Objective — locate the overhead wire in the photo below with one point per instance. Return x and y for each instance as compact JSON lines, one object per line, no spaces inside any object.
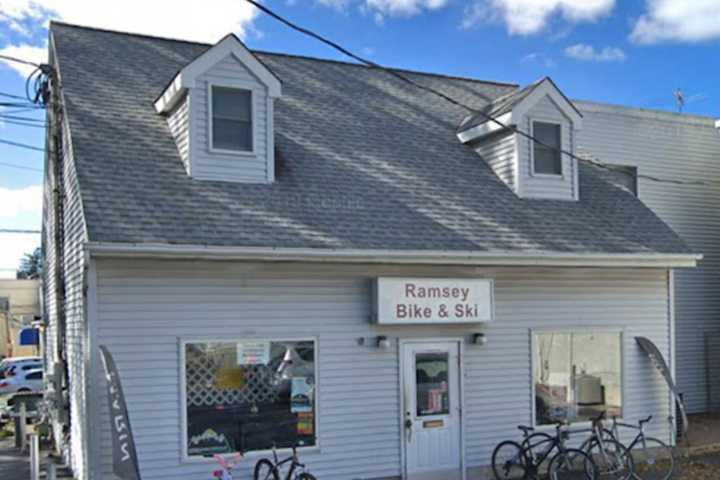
{"x":488,"y":117}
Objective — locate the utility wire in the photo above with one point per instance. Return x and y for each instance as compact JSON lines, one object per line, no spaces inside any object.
{"x":449,"y":99}
{"x":19,"y":60}
{"x":10,"y":95}
{"x":21,"y":119}
{"x":22,"y":145}
{"x":21,"y":167}
{"x":22,"y":124}
{"x":17,"y":230}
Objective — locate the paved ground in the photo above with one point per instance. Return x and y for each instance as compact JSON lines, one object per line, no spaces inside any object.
{"x":13,"y":465}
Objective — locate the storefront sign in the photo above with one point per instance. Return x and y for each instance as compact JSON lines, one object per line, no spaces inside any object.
{"x":424,"y":300}
{"x":253,"y":353}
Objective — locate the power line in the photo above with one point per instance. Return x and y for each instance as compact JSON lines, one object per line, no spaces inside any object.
{"x":19,"y":60}
{"x":22,"y":124}
{"x":21,"y":167}
{"x":21,"y":119}
{"x":10,"y":95}
{"x":22,"y":145}
{"x":486,"y":116}
{"x":18,"y":230}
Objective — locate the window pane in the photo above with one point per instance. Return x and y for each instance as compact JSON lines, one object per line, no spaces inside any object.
{"x":547,"y":157}
{"x":249,"y":395}
{"x":232,"y":119}
{"x":431,"y":374}
{"x":577,"y":376}
{"x":232,"y":135}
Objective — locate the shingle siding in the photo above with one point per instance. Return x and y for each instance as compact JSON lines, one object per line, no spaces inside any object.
{"x":146,"y":307}
{"x":179,"y":123}
{"x":500,"y":152}
{"x":675,"y":147}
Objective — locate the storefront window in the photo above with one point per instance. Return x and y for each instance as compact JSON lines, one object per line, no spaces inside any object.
{"x":249,"y":395}
{"x":577,"y":376}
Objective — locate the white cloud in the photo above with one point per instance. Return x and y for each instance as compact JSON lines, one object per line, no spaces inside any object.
{"x":678,"y":21}
{"x":14,"y":247}
{"x":206,"y":21}
{"x":25,"y":52}
{"x":405,"y":8}
{"x":526,"y":17}
{"x":21,"y":201}
{"x":582,"y":51}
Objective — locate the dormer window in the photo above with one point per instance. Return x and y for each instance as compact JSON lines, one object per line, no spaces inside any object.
{"x":547,"y":158}
{"x":231,"y":119}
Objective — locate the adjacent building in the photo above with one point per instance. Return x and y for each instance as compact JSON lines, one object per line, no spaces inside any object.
{"x":292,"y":251}
{"x":19,"y":308}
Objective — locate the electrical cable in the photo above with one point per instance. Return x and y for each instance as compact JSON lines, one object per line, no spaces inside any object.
{"x":22,"y":145}
{"x":19,"y":60}
{"x":21,"y":167}
{"x":513,"y":128}
{"x":21,"y":119}
{"x":18,"y":230}
{"x":22,"y":124}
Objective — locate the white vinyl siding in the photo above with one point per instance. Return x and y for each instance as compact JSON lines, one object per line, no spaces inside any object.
{"x":74,"y":277}
{"x":499,"y":152}
{"x":178,"y":123}
{"x":677,"y":147}
{"x":209,"y":164}
{"x":145,"y":307}
{"x":540,"y":186}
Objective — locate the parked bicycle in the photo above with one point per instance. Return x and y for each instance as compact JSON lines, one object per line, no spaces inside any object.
{"x":515,"y":461}
{"x":266,"y":469}
{"x":652,"y":458}
{"x":227,"y":465}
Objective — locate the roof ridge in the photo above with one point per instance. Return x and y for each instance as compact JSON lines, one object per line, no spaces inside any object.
{"x":283,"y":54}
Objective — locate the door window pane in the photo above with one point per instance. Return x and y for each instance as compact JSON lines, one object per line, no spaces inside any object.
{"x":249,"y":395}
{"x":577,"y":376}
{"x":431,"y":376}
{"x":232,"y":119}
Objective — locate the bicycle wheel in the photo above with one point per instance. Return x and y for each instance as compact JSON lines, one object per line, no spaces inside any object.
{"x":305,"y":476}
{"x":536,"y":445}
{"x":508,"y":461}
{"x":572,"y":464}
{"x":613,"y":460}
{"x":265,"y":470}
{"x":653,"y":460}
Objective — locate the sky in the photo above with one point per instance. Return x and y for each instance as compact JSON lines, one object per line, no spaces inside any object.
{"x":634,"y":52}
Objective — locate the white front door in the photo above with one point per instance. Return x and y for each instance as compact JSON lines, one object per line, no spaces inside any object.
{"x":431,"y":420}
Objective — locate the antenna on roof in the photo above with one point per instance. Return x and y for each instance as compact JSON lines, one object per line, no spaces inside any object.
{"x":680,"y":98}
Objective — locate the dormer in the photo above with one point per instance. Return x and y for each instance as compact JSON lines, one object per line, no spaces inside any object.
{"x":219,"y":109}
{"x":531,"y":169}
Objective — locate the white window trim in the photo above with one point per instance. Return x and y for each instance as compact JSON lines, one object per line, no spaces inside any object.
{"x":583,"y":329}
{"x":253,"y":119}
{"x":563,"y":132}
{"x":182,"y":342}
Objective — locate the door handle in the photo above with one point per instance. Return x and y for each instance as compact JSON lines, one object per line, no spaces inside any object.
{"x":408,"y":429}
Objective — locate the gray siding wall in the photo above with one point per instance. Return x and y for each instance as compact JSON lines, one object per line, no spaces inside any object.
{"x":499,"y":152}
{"x":682,"y":147}
{"x":144,"y":308}
{"x":547,"y":186}
{"x":233,"y":167}
{"x":178,"y":121}
{"x":76,"y":333}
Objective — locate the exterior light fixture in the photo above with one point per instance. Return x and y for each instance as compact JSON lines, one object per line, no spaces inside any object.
{"x":382,"y":342}
{"x":479,"y":339}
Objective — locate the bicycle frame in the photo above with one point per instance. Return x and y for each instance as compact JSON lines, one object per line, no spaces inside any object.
{"x":293,"y":459}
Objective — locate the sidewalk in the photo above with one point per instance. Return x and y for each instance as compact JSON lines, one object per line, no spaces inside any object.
{"x":13,"y":465}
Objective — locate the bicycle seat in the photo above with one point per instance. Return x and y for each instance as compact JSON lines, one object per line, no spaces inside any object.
{"x":646,"y":420}
{"x":525,"y":430}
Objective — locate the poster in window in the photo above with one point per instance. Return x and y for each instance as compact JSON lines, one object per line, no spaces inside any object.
{"x":253,"y":353}
{"x":301,"y":395}
{"x":305,"y":423}
{"x":230,"y":378}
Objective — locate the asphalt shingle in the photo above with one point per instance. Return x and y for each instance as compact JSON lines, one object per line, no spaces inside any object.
{"x":363,"y":161}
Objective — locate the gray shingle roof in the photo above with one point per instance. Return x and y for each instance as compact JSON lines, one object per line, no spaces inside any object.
{"x":363,"y":161}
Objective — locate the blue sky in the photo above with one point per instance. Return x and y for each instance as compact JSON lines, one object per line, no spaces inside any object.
{"x":632,"y":52}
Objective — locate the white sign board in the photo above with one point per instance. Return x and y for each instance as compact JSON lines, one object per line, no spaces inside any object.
{"x":409,"y":301}
{"x":253,"y":353}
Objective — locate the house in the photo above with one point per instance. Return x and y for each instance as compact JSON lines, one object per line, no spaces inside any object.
{"x":285,"y":250}
{"x":19,"y":306}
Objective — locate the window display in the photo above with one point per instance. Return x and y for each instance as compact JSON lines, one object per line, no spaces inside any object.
{"x":249,"y":395}
{"x":577,"y":376}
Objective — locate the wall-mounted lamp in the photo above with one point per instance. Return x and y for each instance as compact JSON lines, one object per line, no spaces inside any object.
{"x":382,"y":342}
{"x":479,"y":339}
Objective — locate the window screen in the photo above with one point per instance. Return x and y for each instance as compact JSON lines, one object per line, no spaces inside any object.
{"x":577,"y":376}
{"x":249,"y":395}
{"x":231,"y":119}
{"x":546,"y":156}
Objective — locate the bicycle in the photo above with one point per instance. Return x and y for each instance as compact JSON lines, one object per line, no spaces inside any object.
{"x":512,"y":461}
{"x":653,"y":458}
{"x":227,"y":466}
{"x":265,"y":469}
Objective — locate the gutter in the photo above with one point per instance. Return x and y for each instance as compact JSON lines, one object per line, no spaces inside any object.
{"x":397,"y":257}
